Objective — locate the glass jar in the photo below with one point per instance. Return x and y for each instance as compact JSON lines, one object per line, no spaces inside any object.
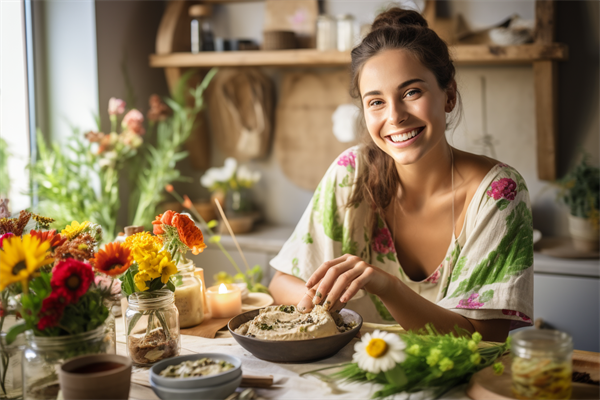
{"x":541,"y":364}
{"x":152,"y":327}
{"x":189,"y":297}
{"x":202,"y":38}
{"x":43,"y":356}
{"x":11,"y":373}
{"x":345,"y":32}
{"x":326,"y":33}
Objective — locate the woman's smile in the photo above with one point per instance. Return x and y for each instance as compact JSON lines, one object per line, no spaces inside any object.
{"x":404,"y":138}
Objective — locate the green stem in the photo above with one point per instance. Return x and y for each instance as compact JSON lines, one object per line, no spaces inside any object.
{"x":325,"y":368}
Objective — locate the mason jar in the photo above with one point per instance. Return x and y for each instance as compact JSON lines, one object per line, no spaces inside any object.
{"x":542,"y":364}
{"x":189,"y":295}
{"x":43,"y":356}
{"x":152,"y":327}
{"x":11,"y":372}
{"x":345,"y":32}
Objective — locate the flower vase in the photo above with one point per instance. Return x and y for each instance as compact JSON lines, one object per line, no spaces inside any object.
{"x":43,"y":356}
{"x":584,"y":235}
{"x":11,"y":372}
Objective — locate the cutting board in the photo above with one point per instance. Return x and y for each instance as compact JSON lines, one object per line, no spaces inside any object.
{"x":485,"y":385}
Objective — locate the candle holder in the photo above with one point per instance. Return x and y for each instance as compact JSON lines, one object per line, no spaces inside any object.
{"x":225,"y":300}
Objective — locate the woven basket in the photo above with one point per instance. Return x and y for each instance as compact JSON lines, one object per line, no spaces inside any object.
{"x":279,"y":40}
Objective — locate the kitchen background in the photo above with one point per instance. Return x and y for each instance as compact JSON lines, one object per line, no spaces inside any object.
{"x":89,"y":51}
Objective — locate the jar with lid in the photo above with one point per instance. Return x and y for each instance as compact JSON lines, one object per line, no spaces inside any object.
{"x":541,"y":364}
{"x":189,"y":297}
{"x":326,"y":33}
{"x":201,"y":28}
{"x":345,"y":32}
{"x":43,"y":356}
{"x":152,"y":327}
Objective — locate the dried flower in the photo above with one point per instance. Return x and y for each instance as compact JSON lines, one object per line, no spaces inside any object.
{"x":43,"y":222}
{"x":116,"y":106}
{"x":15,"y":225}
{"x":74,"y":249}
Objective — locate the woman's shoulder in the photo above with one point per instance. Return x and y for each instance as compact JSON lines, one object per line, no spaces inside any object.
{"x":479,"y":172}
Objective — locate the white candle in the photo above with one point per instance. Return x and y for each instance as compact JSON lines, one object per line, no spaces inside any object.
{"x":225,"y":300}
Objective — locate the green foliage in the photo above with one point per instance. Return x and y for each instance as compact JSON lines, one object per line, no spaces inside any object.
{"x":331,"y":225}
{"x":4,"y":179}
{"x":580,"y":191}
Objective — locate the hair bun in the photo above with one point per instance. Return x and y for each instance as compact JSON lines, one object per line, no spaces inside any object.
{"x":397,"y":17}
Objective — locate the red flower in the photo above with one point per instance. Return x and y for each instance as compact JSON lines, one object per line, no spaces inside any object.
{"x":71,"y":279}
{"x":5,"y":236}
{"x":161,"y":219}
{"x":52,"y":311}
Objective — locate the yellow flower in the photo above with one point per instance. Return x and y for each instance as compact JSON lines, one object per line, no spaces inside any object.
{"x":143,"y":241}
{"x":71,"y":231}
{"x":21,"y":258}
{"x":472,"y":346}
{"x":414,"y":350}
{"x":475,"y":358}
{"x":433,"y":357}
{"x":140,"y":280}
{"x":476,"y":337}
{"x":498,"y":368}
{"x":446,"y":364}
{"x":166,"y":267}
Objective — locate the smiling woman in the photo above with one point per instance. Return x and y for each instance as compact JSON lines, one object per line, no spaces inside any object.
{"x":432,"y":234}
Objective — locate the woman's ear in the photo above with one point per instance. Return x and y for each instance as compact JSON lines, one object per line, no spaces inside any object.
{"x":450,"y":97}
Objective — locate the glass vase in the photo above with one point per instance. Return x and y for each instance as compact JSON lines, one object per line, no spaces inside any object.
{"x":11,"y":372}
{"x":43,"y":356}
{"x":189,"y":295}
{"x":152,"y":327}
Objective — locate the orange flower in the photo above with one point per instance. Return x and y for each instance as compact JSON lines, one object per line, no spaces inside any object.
{"x":187,"y":203}
{"x":158,"y":230}
{"x":189,"y":233}
{"x":56,"y":239}
{"x":169,"y":188}
{"x":113,"y":260}
{"x":167,"y":217}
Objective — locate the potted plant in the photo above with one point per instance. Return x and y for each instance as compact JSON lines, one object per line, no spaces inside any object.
{"x":580,"y":191}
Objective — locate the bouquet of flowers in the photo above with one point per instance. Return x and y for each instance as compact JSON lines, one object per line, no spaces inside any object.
{"x":229,"y":177}
{"x":415,"y":361}
{"x":179,"y":234}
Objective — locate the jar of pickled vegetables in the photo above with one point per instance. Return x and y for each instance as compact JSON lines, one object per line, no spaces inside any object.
{"x":541,"y":364}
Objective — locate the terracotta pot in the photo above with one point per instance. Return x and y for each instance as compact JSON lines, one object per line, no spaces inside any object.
{"x":585,"y":237}
{"x":77,"y":382}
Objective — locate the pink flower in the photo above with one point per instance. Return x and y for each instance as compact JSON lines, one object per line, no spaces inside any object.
{"x":133,"y":121}
{"x":5,"y":236}
{"x":348,"y":158}
{"x":383,"y":243}
{"x":504,"y":188}
{"x":518,"y":314}
{"x":471,"y":302}
{"x":116,"y":106}
{"x":105,"y":282}
{"x":435,"y":277}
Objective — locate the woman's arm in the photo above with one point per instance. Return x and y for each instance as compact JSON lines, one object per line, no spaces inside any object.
{"x":287,"y":289}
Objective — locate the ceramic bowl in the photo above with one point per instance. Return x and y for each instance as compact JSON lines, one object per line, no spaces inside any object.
{"x":217,"y":392}
{"x":200,"y":381}
{"x":295,"y":351}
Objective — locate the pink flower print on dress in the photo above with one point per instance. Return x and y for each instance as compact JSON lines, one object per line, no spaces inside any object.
{"x":435,"y":277}
{"x":348,"y":160}
{"x":471,"y":302}
{"x":518,"y":314}
{"x":116,"y":106}
{"x":504,"y":188}
{"x":383,"y":243}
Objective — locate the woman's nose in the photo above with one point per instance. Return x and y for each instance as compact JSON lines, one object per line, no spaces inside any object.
{"x":396,"y":114}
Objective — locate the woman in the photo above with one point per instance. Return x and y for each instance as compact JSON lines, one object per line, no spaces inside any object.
{"x":429,"y":233}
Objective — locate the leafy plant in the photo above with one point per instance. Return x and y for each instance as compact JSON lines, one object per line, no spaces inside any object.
{"x":580,"y":191}
{"x":4,"y":181}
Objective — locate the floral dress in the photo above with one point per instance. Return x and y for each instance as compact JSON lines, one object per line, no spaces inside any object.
{"x":487,"y":272}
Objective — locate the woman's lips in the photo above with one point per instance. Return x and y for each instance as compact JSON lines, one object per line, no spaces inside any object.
{"x":404,"y":143}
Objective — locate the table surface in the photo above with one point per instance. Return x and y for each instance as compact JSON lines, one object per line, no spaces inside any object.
{"x":287,"y":382}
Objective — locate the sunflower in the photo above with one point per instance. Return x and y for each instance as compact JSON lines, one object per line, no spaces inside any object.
{"x":189,"y":233}
{"x":379,"y":351}
{"x":21,"y":258}
{"x":71,"y":279}
{"x":71,"y":231}
{"x":113,"y":260}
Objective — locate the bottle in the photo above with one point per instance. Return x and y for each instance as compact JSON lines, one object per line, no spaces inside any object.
{"x":326,"y":33}
{"x":345,"y":32}
{"x":201,"y":28}
{"x":189,"y":295}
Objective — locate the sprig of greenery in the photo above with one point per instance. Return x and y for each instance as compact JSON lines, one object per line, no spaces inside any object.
{"x":580,"y":191}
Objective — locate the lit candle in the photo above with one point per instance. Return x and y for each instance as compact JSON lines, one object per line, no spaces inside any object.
{"x":225,"y":301}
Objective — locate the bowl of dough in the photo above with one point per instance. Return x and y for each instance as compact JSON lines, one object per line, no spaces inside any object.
{"x":282,"y":334}
{"x":194,"y":376}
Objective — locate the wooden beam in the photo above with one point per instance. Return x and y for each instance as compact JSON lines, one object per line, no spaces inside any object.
{"x":544,"y":21}
{"x":546,"y":115}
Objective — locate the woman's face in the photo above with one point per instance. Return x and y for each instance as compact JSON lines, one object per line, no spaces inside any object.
{"x":404,"y":107}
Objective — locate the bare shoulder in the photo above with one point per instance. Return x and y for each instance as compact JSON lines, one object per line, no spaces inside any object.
{"x":471,"y":169}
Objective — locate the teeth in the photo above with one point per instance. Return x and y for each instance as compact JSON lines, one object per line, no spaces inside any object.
{"x":404,"y":136}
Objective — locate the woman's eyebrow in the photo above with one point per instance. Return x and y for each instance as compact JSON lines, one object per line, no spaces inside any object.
{"x":400,"y":86}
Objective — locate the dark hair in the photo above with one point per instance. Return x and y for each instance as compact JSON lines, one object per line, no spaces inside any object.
{"x":394,"y":29}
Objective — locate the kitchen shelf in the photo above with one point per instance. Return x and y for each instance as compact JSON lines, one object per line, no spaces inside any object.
{"x":463,"y":54}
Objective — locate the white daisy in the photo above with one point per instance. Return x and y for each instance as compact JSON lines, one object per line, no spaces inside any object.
{"x":380,"y":351}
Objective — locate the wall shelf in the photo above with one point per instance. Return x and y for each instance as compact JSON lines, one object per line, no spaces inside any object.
{"x":464,"y":54}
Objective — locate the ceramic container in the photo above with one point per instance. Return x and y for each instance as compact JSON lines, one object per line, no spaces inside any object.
{"x":200,"y":381}
{"x":218,"y":392}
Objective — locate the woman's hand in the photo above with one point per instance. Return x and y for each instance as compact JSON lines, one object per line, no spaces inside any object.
{"x":338,"y":280}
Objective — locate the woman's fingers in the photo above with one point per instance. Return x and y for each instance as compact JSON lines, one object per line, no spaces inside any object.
{"x":332,"y":275}
{"x":305,"y":305}
{"x":341,"y":284}
{"x":360,"y":282}
{"x":322,"y":270}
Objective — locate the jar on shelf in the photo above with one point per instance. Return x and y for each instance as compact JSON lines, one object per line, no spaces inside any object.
{"x":11,"y":372}
{"x":345,"y":32}
{"x":152,"y":327}
{"x":326,"y":33}
{"x":43,"y":356}
{"x":189,"y":295}
{"x":201,"y":28}
{"x":541,"y":364}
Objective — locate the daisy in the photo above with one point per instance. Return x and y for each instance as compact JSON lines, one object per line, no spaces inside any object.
{"x":379,"y":351}
{"x":21,"y":258}
{"x":113,"y":260}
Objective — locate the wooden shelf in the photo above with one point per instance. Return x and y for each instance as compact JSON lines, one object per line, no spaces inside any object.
{"x":464,"y":54}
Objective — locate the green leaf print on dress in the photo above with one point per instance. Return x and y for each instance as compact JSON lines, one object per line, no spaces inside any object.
{"x":295,"y":269}
{"x":329,"y":213}
{"x":307,"y":239}
{"x":348,"y":245}
{"x":513,"y":255}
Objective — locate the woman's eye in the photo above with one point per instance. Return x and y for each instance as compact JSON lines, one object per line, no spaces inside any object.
{"x":412,"y":93}
{"x":375,"y":103}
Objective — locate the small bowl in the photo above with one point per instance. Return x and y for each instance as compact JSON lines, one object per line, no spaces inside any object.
{"x":219,"y":392}
{"x":295,"y":351}
{"x":199,"y":381}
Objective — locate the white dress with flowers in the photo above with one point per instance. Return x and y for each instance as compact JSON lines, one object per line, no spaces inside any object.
{"x":487,"y":272}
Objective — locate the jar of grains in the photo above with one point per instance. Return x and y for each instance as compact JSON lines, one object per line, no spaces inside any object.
{"x":541,"y":364}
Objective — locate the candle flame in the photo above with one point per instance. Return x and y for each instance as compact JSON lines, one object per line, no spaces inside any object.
{"x":223,"y":288}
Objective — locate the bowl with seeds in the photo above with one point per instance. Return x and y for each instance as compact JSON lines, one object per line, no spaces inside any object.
{"x":196,"y":371}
